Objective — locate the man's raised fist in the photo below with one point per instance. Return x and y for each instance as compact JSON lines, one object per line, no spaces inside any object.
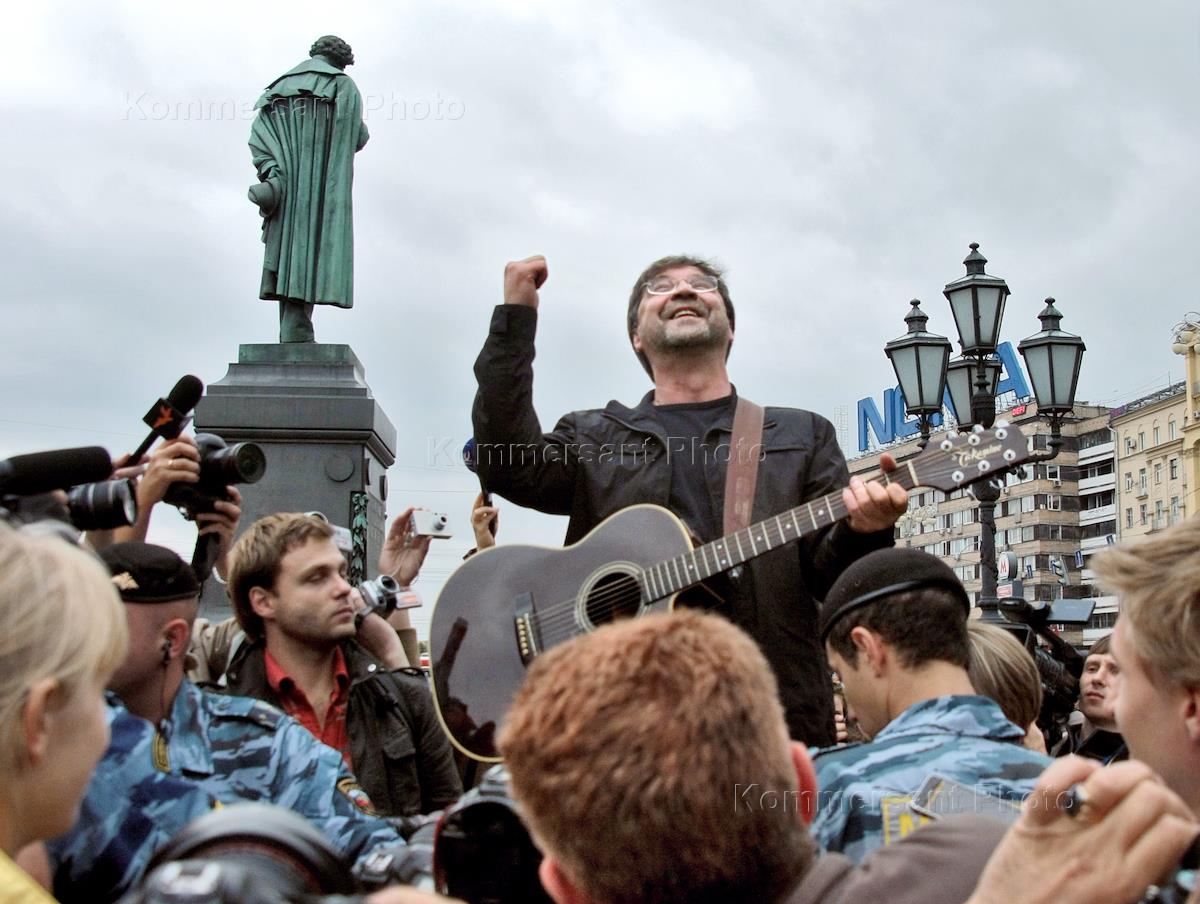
{"x":522,"y":279}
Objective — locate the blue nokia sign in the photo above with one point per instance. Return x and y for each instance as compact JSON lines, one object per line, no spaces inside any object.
{"x":894,"y":422}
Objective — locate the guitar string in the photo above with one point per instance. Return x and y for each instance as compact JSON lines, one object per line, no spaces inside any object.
{"x":608,"y":601}
{"x":604,"y":603}
{"x":599,"y":603}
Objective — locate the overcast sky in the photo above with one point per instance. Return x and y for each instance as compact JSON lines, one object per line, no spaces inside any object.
{"x":837,"y":157}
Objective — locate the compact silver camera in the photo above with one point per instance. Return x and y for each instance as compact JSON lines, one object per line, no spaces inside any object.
{"x":428,"y":524}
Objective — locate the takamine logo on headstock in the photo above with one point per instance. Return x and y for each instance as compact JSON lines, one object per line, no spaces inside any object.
{"x":966,"y":456}
{"x":957,"y":461}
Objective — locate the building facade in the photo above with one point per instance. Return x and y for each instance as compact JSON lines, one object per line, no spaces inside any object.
{"x":1052,"y":516}
{"x":1153,"y":487}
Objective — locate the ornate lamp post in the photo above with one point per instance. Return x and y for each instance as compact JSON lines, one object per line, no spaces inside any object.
{"x":919,"y":358}
{"x":977,"y":303}
{"x":1052,"y":356}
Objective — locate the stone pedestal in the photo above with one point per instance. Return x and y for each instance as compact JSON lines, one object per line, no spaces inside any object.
{"x":327,"y":441}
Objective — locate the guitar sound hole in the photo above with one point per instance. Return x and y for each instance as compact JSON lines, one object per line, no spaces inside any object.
{"x":613,"y":596}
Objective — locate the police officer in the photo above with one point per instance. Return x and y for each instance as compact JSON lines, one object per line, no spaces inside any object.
{"x":895,"y":628}
{"x":234,"y":748}
{"x":130,"y":810}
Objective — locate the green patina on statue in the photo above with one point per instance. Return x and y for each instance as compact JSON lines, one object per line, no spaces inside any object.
{"x":308,"y":129}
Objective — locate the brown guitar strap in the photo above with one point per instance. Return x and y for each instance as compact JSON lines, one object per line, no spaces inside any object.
{"x":741,"y":475}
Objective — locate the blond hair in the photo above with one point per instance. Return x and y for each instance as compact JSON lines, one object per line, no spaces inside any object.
{"x":1157,"y":579}
{"x":60,"y":618}
{"x":1001,"y":668}
{"x":628,"y":749}
{"x":255,"y":557}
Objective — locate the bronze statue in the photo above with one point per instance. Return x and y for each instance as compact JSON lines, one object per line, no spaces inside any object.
{"x":303,"y":141}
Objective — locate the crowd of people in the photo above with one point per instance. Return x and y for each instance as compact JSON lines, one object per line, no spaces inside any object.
{"x":839,"y":729}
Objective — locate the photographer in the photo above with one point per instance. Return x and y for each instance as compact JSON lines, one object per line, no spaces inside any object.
{"x":289,"y":592}
{"x":177,"y":461}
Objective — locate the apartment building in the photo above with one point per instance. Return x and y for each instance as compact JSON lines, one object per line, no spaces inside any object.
{"x":1153,"y":487}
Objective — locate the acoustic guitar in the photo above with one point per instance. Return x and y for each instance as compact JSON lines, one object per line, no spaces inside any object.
{"x":508,"y":604}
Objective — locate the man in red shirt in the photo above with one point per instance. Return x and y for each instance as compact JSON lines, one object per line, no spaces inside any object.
{"x":287,"y":581}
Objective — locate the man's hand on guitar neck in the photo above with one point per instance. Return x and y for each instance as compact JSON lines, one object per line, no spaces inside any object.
{"x":871,"y":505}
{"x":522,"y":279}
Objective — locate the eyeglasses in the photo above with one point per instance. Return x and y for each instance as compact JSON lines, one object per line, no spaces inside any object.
{"x":665,"y":285}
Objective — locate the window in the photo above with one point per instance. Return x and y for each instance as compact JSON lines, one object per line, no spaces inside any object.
{"x":1054,"y":502}
{"x":1171,"y":429}
{"x":1142,"y":512}
{"x":1095,"y":438}
{"x":1128,"y":480}
{"x":1173,"y":468}
{"x":1141,"y":444}
{"x":1053,"y":473}
{"x":1158,"y":472}
{"x":1142,"y":480}
{"x":1129,"y":517}
{"x":1157,"y":436}
{"x":1174,"y":509}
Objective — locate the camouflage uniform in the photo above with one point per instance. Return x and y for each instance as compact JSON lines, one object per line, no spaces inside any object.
{"x":241,"y":749}
{"x":866,"y":789}
{"x":129,"y":811}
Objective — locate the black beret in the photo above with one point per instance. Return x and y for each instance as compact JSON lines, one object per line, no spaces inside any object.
{"x":144,"y":573}
{"x":883,"y":573}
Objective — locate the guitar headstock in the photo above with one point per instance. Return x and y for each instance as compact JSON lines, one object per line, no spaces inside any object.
{"x":954,"y":462}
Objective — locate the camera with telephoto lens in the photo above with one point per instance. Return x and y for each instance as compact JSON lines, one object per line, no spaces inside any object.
{"x":482,"y":852}
{"x":89,"y":506}
{"x":104,"y":505}
{"x":220,"y":466}
{"x":265,"y":854}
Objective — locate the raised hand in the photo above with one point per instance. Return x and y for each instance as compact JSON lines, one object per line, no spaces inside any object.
{"x":522,"y":279}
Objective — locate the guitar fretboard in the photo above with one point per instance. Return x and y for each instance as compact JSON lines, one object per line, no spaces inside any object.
{"x":690,"y":568}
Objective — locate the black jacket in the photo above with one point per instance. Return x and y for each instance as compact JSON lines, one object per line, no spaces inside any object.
{"x":398,"y":750}
{"x":599,"y":461}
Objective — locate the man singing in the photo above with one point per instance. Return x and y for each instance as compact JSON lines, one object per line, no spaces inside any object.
{"x":681,"y":325}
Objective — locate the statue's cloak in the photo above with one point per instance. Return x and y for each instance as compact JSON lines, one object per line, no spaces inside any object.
{"x":303,"y":141}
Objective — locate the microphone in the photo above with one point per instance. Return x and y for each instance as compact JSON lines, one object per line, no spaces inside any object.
{"x":470,"y":454}
{"x":60,"y":469}
{"x":167,"y":417}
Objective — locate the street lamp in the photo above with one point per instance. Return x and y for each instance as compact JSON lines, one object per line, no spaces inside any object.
{"x":919,"y":358}
{"x":960,"y":380}
{"x":977,"y":303}
{"x":1052,"y":356}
